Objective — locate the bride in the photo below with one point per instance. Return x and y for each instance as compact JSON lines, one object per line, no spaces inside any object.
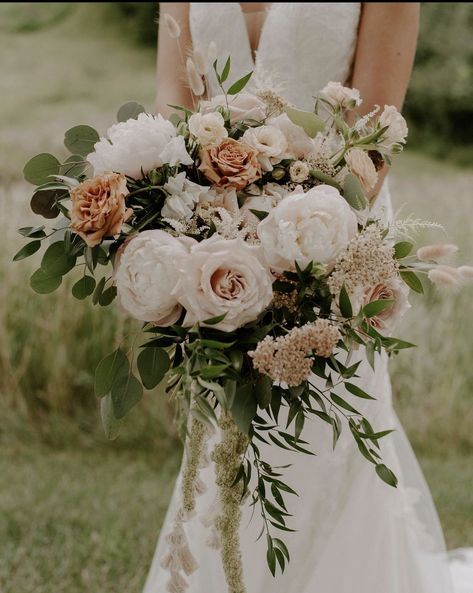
{"x":354,"y":533}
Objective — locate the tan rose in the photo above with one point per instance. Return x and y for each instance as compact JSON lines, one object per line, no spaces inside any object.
{"x":230,"y":164}
{"x":98,"y":207}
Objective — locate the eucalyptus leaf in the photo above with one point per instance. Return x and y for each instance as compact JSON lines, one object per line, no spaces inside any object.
{"x":353,"y":193}
{"x":80,"y":140}
{"x":355,"y":390}
{"x":153,"y":364}
{"x":83,"y":287}
{"x":110,"y":423}
{"x":56,"y":262}
{"x":107,"y":296}
{"x":130,"y":110}
{"x":226,"y":70}
{"x":413,"y":281}
{"x":109,"y":368}
{"x":239,"y":85}
{"x":74,"y":166}
{"x":244,"y":407}
{"x":402,"y":249}
{"x":310,"y":122}
{"x":44,"y":202}
{"x":345,"y":304}
{"x":126,"y":392}
{"x":386,"y":474}
{"x":28,"y":250}
{"x":43,"y":283}
{"x":376,"y":307}
{"x":38,"y":169}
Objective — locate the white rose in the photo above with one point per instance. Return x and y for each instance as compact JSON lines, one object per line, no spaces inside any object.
{"x":299,"y":144}
{"x":315,"y":226}
{"x":270,"y":143}
{"x":209,"y":129}
{"x":147,"y":274}
{"x":271,"y":196}
{"x":338,"y":95}
{"x":183,"y":197}
{"x":393,"y":289}
{"x":362,"y":167}
{"x":299,"y":171}
{"x":242,"y":106}
{"x":223,"y":276}
{"x":397,"y":130}
{"x":137,"y":146}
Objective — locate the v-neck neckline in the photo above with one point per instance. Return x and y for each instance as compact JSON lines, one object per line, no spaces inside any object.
{"x":253,"y":54}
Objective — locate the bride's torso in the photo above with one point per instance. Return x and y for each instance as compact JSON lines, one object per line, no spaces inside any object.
{"x":300,"y":46}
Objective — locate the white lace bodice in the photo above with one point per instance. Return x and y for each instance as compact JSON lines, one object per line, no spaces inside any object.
{"x":302,"y":46}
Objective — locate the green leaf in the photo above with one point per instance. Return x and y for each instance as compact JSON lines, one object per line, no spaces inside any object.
{"x":110,"y":423}
{"x":213,"y":371}
{"x":244,"y":407}
{"x":353,"y":193}
{"x":130,"y":110}
{"x":342,"y":403}
{"x":216,"y":344}
{"x":260,"y":214}
{"x":28,"y":250}
{"x":126,"y":392}
{"x":355,"y":390}
{"x":107,"y":296}
{"x":98,"y":290}
{"x":263,"y":391}
{"x":56,"y":262}
{"x":44,"y":203}
{"x":38,"y":169}
{"x":239,"y":85}
{"x":153,"y":364}
{"x":83,"y":287}
{"x":386,"y":474}
{"x":226,"y":70}
{"x":108,"y":369}
{"x":81,"y":139}
{"x":33,"y":232}
{"x":43,"y":283}
{"x":321,"y":176}
{"x":74,"y":166}
{"x":345,"y":304}
{"x":214,"y":320}
{"x":412,"y":280}
{"x":376,"y":307}
{"x":310,"y":122}
{"x":402,"y":249}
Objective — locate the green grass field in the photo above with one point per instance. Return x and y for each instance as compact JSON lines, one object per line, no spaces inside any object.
{"x":78,"y":513}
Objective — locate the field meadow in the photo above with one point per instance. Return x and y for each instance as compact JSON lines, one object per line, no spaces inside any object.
{"x":77,"y":512}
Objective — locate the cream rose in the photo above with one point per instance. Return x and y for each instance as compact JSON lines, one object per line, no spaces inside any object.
{"x":396,"y":133}
{"x":338,"y":95}
{"x":299,"y":144}
{"x":314,"y":226}
{"x":270,"y":144}
{"x":147,"y":273}
{"x":243,"y":106}
{"x":230,"y":164}
{"x":137,"y":146}
{"x":98,"y":207}
{"x":208,"y":129}
{"x":362,"y":167}
{"x":223,"y":276}
{"x":394,"y":289}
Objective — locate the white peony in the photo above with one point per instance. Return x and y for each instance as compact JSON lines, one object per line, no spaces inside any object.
{"x":209,"y":128}
{"x":147,"y":274}
{"x":341,"y":96}
{"x":270,"y":143}
{"x":396,"y":133}
{"x":137,"y":146}
{"x":265,"y":202}
{"x":242,"y":106}
{"x":315,"y":226}
{"x":299,"y":144}
{"x":362,"y":167}
{"x":183,"y":197}
{"x":223,"y":276}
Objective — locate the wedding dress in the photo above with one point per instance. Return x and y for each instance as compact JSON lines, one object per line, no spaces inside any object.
{"x":354,"y":533}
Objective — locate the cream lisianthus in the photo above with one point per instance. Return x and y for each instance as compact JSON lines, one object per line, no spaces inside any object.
{"x":208,"y":129}
{"x":270,"y":144}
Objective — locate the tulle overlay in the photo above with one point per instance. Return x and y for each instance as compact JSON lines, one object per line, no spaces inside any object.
{"x":354,"y":532}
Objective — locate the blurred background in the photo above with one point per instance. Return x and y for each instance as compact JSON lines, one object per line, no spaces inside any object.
{"x":79,"y":513}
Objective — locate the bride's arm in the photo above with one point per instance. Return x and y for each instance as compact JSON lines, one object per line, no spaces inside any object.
{"x":384,"y":56}
{"x":170,"y":72}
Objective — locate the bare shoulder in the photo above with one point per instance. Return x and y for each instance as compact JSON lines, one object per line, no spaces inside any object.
{"x":176,"y":9}
{"x":382,"y":11}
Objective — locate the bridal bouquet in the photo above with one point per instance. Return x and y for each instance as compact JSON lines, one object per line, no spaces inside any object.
{"x":240,"y":234}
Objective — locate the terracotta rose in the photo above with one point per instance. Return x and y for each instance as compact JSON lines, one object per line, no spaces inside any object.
{"x":230,"y":164}
{"x":98,"y":207}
